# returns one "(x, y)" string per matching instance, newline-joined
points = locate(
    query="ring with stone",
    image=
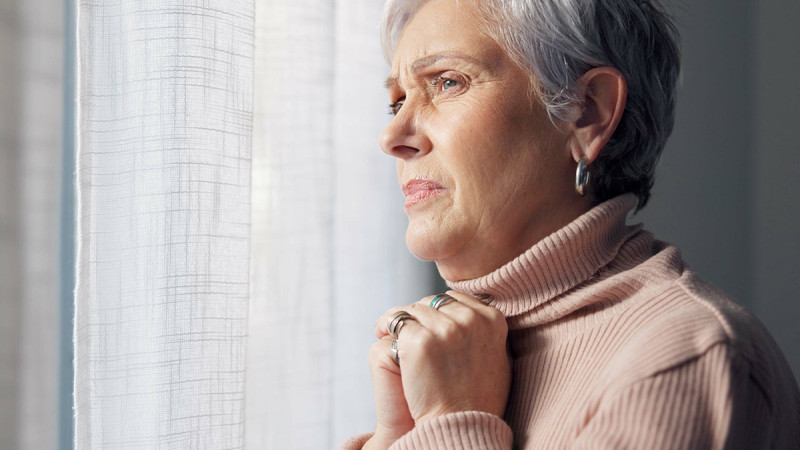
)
(395, 322)
(440, 300)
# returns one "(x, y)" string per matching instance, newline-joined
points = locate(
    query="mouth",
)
(419, 190)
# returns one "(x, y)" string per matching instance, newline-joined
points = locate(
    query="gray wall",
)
(727, 190)
(776, 168)
(10, 226)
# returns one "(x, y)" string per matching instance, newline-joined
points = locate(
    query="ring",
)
(440, 300)
(395, 322)
(395, 355)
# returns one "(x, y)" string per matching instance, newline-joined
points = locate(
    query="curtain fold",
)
(328, 254)
(31, 51)
(224, 302)
(288, 378)
(373, 269)
(165, 130)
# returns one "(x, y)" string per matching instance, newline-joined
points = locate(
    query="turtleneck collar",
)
(532, 282)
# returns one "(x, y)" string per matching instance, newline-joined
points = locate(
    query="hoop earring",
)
(581, 177)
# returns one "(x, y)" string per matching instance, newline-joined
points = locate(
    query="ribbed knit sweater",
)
(617, 344)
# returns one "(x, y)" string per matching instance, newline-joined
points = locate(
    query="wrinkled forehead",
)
(397, 15)
(440, 30)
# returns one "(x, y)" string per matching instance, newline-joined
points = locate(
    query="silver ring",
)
(440, 300)
(395, 355)
(395, 322)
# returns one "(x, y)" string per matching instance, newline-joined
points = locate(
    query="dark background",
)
(728, 187)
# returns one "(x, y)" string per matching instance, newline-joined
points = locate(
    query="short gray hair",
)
(557, 41)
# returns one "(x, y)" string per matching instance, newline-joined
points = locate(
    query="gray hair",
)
(557, 41)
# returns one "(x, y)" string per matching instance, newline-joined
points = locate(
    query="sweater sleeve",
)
(710, 402)
(462, 430)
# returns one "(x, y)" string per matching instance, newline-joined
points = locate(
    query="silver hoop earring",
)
(581, 177)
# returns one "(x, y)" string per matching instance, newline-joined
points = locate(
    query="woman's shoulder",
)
(683, 322)
(687, 330)
(748, 339)
(672, 302)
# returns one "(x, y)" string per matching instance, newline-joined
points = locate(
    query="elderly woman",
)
(524, 132)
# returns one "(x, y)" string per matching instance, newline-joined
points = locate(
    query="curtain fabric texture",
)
(328, 253)
(164, 167)
(239, 229)
(31, 60)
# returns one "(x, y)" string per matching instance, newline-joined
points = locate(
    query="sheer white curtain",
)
(165, 130)
(328, 251)
(31, 48)
(216, 310)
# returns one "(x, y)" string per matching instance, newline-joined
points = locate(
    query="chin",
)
(420, 246)
(431, 245)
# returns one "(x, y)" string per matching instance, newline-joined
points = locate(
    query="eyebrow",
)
(427, 61)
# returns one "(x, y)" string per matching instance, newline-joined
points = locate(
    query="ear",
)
(604, 92)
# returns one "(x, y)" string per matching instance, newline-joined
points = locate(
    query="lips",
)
(418, 190)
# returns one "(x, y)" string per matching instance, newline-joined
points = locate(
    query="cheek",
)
(512, 164)
(493, 146)
(474, 145)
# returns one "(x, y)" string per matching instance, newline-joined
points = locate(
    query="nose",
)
(405, 136)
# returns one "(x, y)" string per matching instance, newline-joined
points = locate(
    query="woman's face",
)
(484, 171)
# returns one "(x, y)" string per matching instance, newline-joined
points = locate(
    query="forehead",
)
(443, 29)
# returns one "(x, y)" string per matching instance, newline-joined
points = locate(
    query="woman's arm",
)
(467, 430)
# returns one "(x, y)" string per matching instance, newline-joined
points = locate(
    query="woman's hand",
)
(393, 417)
(453, 359)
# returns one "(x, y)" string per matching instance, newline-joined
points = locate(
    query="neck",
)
(556, 264)
(482, 257)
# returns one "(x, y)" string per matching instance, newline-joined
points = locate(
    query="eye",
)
(442, 83)
(448, 83)
(394, 108)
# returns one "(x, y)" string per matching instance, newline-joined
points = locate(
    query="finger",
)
(463, 310)
(467, 299)
(382, 325)
(485, 310)
(437, 301)
(429, 318)
(380, 356)
(409, 327)
(461, 303)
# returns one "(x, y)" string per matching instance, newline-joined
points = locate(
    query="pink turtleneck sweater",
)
(617, 344)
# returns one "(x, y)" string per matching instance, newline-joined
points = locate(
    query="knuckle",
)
(499, 319)
(423, 340)
(373, 350)
(470, 316)
(377, 349)
(416, 339)
(450, 329)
